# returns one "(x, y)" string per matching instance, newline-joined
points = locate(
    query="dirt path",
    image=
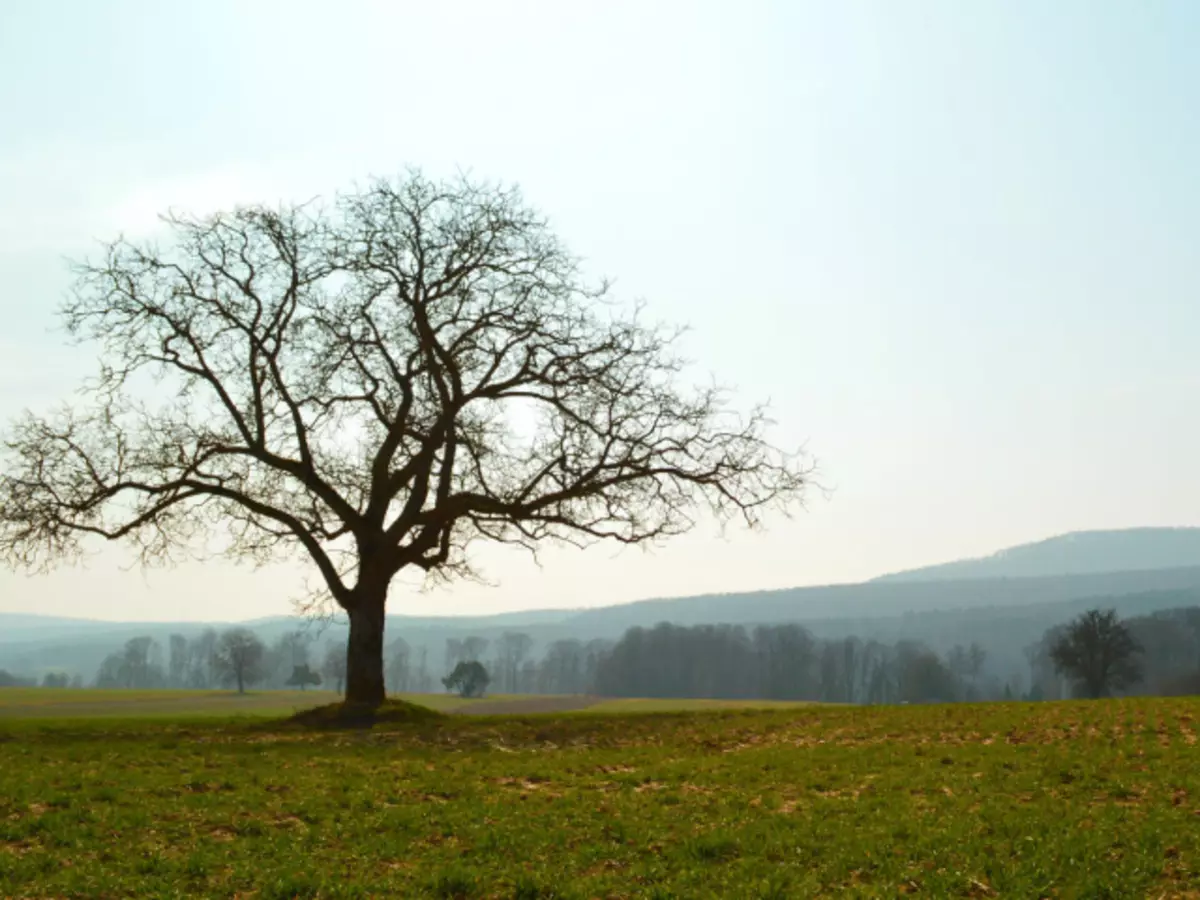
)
(521, 707)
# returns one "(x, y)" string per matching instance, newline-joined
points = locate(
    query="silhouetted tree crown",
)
(469, 679)
(376, 384)
(1098, 653)
(303, 677)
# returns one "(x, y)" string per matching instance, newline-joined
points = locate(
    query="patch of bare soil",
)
(525, 706)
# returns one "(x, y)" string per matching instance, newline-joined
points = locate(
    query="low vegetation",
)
(25, 703)
(1072, 799)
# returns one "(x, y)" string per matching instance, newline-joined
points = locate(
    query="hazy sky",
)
(955, 244)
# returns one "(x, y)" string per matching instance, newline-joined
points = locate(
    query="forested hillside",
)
(1002, 615)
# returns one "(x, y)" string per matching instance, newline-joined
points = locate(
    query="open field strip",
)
(88, 702)
(1096, 799)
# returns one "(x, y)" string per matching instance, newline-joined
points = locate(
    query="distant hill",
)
(1077, 553)
(876, 599)
(19, 626)
(1003, 600)
(924, 610)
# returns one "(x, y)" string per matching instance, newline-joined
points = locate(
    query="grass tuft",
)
(455, 884)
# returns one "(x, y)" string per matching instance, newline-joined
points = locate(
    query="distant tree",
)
(132, 667)
(595, 652)
(55, 680)
(1170, 642)
(473, 648)
(976, 657)
(201, 651)
(76, 681)
(786, 662)
(469, 679)
(8, 679)
(511, 651)
(289, 652)
(562, 669)
(239, 658)
(1045, 680)
(453, 654)
(177, 660)
(527, 678)
(921, 677)
(422, 680)
(958, 661)
(293, 648)
(302, 677)
(1097, 653)
(398, 669)
(140, 673)
(111, 673)
(333, 666)
(1015, 684)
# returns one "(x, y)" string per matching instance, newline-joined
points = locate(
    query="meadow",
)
(1086, 799)
(86, 703)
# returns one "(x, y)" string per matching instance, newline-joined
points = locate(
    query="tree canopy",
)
(238, 658)
(469, 679)
(1098, 653)
(376, 384)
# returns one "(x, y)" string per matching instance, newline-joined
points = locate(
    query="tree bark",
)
(364, 652)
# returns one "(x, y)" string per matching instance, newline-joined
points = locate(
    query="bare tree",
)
(334, 666)
(1098, 653)
(239, 658)
(453, 654)
(473, 648)
(177, 667)
(399, 658)
(375, 384)
(976, 657)
(512, 649)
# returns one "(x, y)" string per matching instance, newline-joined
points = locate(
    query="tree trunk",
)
(364, 652)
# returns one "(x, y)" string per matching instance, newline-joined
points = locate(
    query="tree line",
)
(238, 658)
(786, 662)
(235, 658)
(50, 679)
(1095, 654)
(720, 661)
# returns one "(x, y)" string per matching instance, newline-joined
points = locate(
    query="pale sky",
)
(955, 244)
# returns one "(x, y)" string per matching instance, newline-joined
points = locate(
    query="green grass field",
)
(661, 706)
(1014, 800)
(25, 703)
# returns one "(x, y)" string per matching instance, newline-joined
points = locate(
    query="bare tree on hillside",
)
(239, 658)
(375, 385)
